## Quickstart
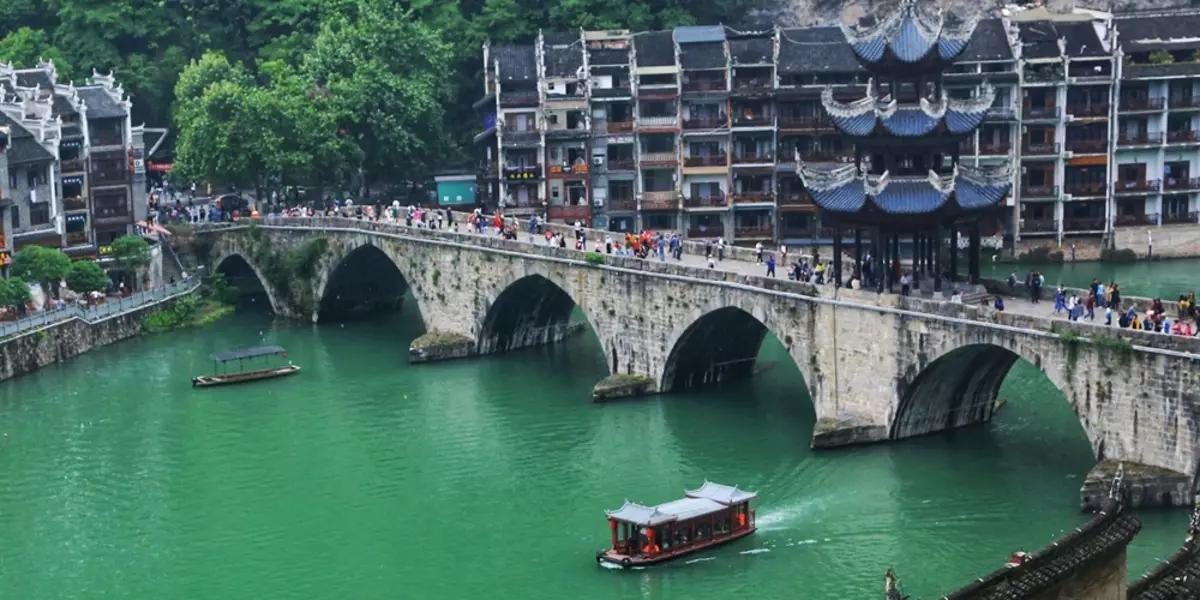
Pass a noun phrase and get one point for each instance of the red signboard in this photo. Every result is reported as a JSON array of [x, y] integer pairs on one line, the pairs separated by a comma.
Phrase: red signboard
[[158, 167]]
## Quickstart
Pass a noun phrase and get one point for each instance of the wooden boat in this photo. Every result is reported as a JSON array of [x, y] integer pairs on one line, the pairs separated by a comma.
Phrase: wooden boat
[[704, 518], [240, 375]]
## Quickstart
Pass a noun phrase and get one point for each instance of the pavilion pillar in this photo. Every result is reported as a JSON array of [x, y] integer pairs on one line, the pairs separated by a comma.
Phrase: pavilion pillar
[[916, 261], [929, 251], [876, 270], [936, 259], [858, 257], [973, 259], [895, 260], [953, 274], [837, 254]]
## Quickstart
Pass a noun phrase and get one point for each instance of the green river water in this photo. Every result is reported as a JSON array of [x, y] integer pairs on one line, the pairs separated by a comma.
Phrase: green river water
[[364, 477]]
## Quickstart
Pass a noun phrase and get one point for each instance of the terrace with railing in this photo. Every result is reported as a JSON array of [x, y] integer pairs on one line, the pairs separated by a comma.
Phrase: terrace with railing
[[1179, 218], [1039, 226], [703, 123], [706, 161], [1181, 183], [1087, 146], [705, 201], [659, 158], [753, 197], [1137, 186], [1133, 104], [1039, 149], [1085, 188], [1140, 138], [668, 200], [1039, 191], [1083, 224], [1183, 136]]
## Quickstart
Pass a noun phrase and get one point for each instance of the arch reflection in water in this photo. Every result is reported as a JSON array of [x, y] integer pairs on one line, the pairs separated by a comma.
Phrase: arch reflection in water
[[364, 282]]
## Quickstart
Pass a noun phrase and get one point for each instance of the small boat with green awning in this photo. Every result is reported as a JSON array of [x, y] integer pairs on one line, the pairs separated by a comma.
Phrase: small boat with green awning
[[249, 364]]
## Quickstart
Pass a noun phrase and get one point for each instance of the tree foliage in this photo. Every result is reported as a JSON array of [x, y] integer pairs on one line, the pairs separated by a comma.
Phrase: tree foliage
[[14, 292], [86, 276], [44, 265], [132, 252]]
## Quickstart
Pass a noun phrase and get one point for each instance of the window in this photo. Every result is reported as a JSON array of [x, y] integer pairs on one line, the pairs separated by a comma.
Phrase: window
[[39, 214], [34, 177], [16, 217], [12, 179]]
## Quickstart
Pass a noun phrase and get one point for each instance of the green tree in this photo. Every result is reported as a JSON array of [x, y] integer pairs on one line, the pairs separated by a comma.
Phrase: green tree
[[232, 136], [15, 292], [387, 73], [132, 253], [44, 265], [86, 276], [26, 47]]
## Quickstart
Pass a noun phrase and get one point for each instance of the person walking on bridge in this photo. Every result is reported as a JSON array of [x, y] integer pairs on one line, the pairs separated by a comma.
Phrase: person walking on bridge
[[771, 265]]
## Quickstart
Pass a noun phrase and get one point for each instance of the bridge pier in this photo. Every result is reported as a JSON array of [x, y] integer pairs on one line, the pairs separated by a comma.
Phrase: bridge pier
[[1147, 486], [436, 346]]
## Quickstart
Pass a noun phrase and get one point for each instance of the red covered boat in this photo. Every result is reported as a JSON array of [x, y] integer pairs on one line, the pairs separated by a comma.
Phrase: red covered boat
[[703, 518]]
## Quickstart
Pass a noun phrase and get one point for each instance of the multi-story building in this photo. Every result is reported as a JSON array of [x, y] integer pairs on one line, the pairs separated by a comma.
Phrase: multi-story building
[[699, 129], [72, 162]]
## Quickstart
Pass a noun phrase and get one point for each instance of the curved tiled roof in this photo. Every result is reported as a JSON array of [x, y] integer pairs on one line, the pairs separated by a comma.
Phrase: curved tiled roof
[[517, 63], [844, 190], [1179, 575], [867, 116], [655, 49], [815, 50], [909, 35]]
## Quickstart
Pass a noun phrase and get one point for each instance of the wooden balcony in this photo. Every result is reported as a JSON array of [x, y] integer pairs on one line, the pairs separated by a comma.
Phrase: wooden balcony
[[1134, 187], [757, 121], [1136, 104], [1085, 188], [107, 139], [75, 203], [650, 159], [658, 123], [1039, 191], [706, 161], [753, 232], [1088, 110], [1087, 146], [1039, 226], [705, 123], [620, 126], [621, 164], [623, 203], [1184, 102], [1180, 218], [77, 165], [1041, 112], [77, 238], [796, 199], [1135, 220], [1140, 138], [1181, 183], [806, 123], [1029, 149], [109, 177], [1083, 224], [751, 159], [569, 212], [660, 200], [712, 231], [708, 201], [753, 198], [706, 85], [1183, 136], [995, 149]]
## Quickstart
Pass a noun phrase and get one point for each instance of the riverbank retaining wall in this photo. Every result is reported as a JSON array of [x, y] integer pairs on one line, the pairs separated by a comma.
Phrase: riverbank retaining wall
[[33, 350], [1167, 241]]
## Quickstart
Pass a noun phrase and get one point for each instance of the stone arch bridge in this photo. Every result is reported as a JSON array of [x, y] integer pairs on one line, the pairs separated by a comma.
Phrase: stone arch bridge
[[878, 367]]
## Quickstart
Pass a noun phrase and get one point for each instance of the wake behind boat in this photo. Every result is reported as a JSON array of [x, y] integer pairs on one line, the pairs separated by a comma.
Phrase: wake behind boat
[[710, 516], [222, 360]]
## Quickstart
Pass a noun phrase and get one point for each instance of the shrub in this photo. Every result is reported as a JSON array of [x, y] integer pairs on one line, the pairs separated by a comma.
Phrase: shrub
[[595, 258], [1161, 57]]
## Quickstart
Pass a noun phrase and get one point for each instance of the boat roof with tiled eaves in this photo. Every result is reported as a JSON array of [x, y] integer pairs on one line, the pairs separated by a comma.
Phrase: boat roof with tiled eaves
[[725, 494], [873, 116], [707, 499], [910, 36], [847, 190]]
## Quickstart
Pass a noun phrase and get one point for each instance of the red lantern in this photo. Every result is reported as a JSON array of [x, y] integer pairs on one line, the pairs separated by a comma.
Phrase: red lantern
[[612, 525]]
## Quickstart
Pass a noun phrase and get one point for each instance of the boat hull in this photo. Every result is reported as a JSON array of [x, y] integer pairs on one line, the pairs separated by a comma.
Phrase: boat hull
[[624, 561], [213, 380]]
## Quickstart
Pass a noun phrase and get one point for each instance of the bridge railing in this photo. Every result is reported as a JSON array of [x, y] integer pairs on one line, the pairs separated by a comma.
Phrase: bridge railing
[[940, 308], [92, 314]]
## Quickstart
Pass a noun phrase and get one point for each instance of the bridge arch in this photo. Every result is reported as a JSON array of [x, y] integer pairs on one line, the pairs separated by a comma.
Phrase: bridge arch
[[237, 268], [362, 278], [532, 309], [960, 387], [722, 344]]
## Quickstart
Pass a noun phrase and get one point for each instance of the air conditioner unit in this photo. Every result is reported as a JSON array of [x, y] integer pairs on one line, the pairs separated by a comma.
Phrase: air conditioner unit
[[598, 160], [598, 202]]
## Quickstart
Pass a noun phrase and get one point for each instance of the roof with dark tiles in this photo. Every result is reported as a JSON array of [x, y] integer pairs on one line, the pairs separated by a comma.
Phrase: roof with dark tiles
[[815, 50], [1165, 32], [655, 49], [517, 63], [563, 54], [1039, 39], [62, 106], [35, 78], [751, 51], [702, 56], [100, 105], [988, 42]]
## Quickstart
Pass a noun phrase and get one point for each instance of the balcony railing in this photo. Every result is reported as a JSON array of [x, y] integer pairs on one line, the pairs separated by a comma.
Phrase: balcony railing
[[1137, 186], [706, 161], [753, 197], [75, 203], [1087, 146], [1142, 103], [520, 136], [660, 200], [39, 228], [77, 238], [580, 169], [1039, 226], [806, 123], [75, 165], [519, 98], [1132, 220], [103, 213], [566, 132], [108, 139], [623, 203], [816, 155], [745, 159], [108, 176], [705, 85], [710, 231], [522, 172], [1184, 102], [1000, 113], [621, 164], [1140, 138], [1085, 188], [999, 148], [759, 121], [706, 201], [659, 157], [1083, 224], [1088, 110], [1180, 217], [1039, 191], [1028, 149], [612, 92], [795, 199], [1182, 136], [705, 123], [1041, 112], [1181, 183], [569, 212], [620, 126], [658, 122], [752, 85], [753, 231], [798, 232]]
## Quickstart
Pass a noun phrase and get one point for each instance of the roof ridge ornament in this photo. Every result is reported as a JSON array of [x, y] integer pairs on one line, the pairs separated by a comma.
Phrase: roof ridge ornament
[[977, 103], [875, 188], [945, 185], [938, 110]]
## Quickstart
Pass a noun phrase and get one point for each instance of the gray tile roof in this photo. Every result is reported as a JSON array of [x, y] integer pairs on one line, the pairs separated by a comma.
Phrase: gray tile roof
[[563, 55], [702, 56], [1039, 39], [749, 51], [989, 42], [24, 150], [517, 63], [99, 104], [700, 34], [655, 49], [62, 106], [35, 78], [1146, 34], [815, 50]]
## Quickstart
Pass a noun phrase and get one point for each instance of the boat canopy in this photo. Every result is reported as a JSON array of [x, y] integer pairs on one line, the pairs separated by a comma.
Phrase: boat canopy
[[676, 510], [248, 353], [723, 494]]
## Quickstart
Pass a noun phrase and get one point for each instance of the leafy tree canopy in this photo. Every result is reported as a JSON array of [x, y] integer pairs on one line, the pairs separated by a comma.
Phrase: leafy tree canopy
[[86, 276], [45, 265], [132, 252], [14, 291], [27, 46]]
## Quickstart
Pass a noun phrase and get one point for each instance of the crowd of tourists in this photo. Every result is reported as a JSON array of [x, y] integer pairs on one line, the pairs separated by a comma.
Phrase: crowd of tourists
[[1077, 305]]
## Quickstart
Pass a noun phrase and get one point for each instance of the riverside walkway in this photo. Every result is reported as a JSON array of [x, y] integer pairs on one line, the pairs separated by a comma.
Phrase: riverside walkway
[[93, 314]]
